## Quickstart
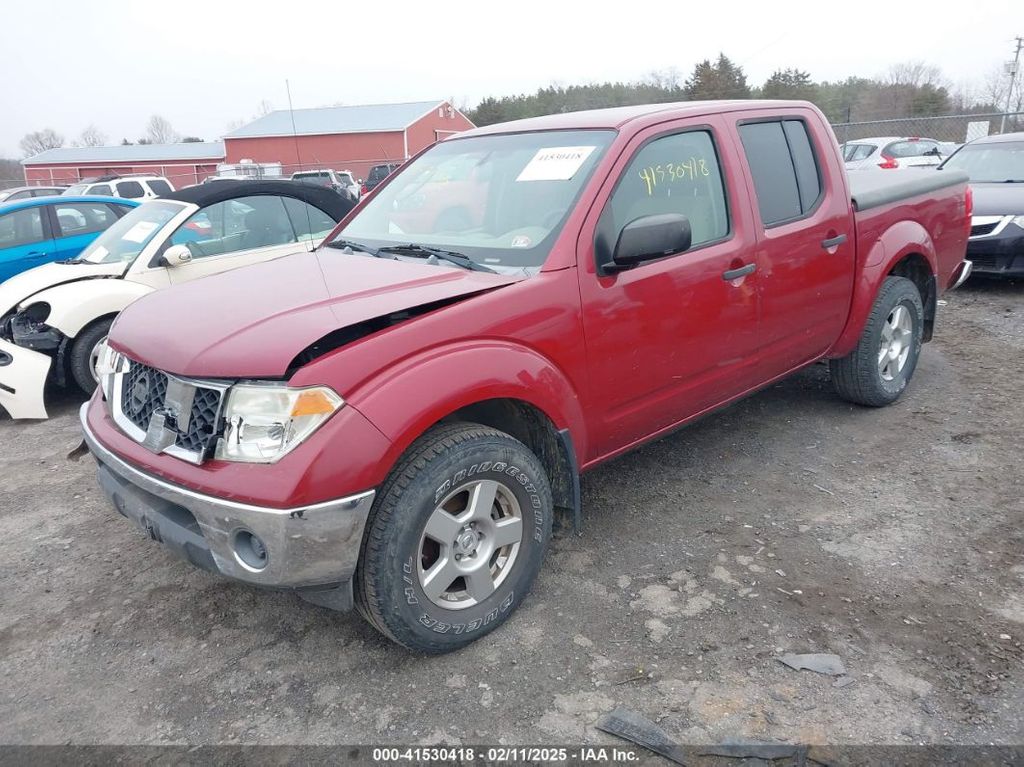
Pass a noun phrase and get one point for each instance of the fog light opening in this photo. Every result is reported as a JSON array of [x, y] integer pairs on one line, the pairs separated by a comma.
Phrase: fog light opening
[[250, 551]]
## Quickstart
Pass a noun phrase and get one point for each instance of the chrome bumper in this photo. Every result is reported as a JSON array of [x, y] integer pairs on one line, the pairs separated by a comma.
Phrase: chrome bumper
[[306, 546], [965, 272]]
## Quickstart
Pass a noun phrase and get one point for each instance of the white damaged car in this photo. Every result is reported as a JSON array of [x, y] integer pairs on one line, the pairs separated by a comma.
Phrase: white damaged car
[[54, 318]]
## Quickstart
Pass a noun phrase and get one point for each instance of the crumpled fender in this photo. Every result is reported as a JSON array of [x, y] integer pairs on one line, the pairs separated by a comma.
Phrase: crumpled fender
[[75, 304], [896, 243], [408, 397]]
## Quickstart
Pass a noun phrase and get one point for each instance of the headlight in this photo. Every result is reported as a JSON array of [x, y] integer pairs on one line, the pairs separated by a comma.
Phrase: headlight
[[266, 421], [1018, 220], [108, 363]]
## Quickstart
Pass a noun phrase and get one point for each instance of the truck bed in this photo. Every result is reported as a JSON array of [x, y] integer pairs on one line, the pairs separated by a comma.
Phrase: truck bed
[[887, 201], [871, 189]]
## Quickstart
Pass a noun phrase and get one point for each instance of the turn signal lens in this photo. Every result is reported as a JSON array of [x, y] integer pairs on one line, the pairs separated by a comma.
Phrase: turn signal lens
[[313, 402]]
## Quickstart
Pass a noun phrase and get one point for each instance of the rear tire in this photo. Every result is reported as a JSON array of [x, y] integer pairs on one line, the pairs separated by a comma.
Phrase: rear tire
[[82, 360], [877, 372], [455, 538]]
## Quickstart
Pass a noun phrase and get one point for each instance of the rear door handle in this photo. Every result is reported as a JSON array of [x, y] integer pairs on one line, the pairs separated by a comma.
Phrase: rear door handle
[[832, 242], [35, 254], [735, 274]]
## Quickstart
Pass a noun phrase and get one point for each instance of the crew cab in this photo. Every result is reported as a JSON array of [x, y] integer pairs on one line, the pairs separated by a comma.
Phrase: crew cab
[[394, 419]]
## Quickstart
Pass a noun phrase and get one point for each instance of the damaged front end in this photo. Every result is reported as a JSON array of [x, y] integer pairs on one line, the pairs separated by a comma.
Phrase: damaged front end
[[27, 348], [28, 329]]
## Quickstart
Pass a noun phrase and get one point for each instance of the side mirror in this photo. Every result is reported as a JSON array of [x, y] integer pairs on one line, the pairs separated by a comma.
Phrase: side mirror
[[176, 255], [647, 238]]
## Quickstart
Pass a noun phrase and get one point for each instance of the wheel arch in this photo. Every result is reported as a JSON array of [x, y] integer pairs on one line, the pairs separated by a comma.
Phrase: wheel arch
[[75, 305], [904, 250], [505, 386]]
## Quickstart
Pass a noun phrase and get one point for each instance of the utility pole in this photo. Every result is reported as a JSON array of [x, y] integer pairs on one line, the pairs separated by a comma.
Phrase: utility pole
[[1012, 69]]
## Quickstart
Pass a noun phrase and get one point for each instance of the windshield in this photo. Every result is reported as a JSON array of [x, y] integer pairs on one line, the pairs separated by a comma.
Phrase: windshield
[[76, 189], [127, 238], [499, 200], [993, 163]]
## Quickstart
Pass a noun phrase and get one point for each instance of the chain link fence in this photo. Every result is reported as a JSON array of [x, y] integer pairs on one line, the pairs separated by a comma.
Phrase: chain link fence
[[952, 128]]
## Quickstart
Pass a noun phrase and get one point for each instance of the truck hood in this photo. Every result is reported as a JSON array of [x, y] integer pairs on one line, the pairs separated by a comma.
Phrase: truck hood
[[998, 199], [27, 284], [253, 322]]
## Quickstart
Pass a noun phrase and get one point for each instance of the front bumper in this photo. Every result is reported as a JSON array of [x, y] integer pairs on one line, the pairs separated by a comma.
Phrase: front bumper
[[313, 549], [1002, 254], [22, 380]]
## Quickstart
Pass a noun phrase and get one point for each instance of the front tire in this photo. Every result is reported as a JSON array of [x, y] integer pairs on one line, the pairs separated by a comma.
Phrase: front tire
[[82, 360], [455, 539], [877, 372]]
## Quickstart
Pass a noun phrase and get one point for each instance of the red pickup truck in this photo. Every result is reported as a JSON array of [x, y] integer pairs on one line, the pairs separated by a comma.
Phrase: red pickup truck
[[393, 420]]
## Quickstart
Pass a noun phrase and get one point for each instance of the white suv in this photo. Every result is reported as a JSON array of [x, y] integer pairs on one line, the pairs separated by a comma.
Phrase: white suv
[[126, 187], [341, 181]]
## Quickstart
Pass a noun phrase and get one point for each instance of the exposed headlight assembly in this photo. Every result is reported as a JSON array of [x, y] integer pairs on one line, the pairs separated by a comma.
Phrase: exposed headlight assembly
[[108, 364], [266, 421]]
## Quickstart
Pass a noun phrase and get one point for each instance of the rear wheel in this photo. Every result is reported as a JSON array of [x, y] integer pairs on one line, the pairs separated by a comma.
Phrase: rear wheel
[[84, 355], [879, 369], [455, 539]]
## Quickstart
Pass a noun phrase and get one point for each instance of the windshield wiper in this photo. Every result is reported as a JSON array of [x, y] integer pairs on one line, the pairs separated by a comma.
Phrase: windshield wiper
[[425, 251], [354, 246]]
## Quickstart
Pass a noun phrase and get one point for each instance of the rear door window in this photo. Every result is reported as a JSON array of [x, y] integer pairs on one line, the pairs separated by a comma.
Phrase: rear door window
[[807, 177], [130, 190], [83, 218], [855, 152], [784, 168]]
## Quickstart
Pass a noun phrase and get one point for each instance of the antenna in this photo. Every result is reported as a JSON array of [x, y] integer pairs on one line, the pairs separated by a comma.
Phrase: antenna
[[295, 134]]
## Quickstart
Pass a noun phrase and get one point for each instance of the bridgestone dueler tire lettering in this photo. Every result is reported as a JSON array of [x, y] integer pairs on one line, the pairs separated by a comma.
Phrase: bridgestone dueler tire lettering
[[387, 588], [856, 377]]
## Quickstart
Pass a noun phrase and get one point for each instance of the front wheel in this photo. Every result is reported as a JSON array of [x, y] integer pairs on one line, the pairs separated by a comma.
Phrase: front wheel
[[879, 369], [84, 355], [455, 539]]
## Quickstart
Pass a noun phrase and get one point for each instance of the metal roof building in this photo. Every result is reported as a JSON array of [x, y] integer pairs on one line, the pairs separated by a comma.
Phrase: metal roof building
[[183, 164], [344, 138]]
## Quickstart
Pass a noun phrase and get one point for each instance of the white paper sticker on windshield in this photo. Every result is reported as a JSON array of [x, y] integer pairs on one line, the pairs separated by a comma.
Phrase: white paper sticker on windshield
[[558, 163], [140, 231]]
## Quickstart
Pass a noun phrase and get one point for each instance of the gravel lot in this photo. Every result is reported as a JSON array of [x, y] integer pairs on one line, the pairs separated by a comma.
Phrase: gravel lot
[[791, 522]]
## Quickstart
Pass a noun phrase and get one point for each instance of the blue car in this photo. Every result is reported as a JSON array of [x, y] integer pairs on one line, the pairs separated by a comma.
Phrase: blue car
[[43, 229]]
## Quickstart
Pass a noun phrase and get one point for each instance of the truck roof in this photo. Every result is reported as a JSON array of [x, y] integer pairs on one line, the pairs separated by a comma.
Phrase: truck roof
[[618, 117]]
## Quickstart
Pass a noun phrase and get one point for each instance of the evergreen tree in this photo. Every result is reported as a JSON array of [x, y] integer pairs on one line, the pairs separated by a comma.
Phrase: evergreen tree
[[719, 80], [789, 84]]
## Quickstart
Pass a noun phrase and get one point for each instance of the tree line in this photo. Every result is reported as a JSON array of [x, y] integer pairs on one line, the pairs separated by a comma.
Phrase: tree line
[[158, 131], [911, 89]]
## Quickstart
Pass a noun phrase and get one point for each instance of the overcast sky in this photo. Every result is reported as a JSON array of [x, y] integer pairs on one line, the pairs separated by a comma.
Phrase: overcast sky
[[205, 64]]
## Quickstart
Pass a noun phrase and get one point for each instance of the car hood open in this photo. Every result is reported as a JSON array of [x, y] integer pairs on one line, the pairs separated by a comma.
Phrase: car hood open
[[27, 284], [998, 199], [252, 322]]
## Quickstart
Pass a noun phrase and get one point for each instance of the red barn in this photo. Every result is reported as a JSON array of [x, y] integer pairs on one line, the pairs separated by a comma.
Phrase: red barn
[[351, 138], [183, 164]]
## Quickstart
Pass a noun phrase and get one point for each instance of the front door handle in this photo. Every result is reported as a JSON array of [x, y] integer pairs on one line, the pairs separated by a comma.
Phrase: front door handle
[[35, 254], [735, 274], [832, 242]]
